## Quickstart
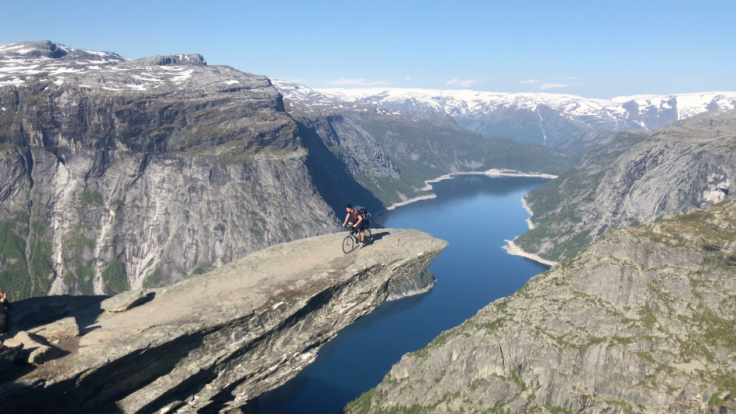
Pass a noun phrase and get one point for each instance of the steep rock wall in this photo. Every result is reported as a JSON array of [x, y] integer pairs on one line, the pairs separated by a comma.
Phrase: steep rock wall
[[119, 174], [640, 322], [630, 179]]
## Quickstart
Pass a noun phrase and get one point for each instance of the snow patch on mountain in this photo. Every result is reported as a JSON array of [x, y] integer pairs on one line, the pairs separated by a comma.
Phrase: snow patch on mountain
[[545, 118]]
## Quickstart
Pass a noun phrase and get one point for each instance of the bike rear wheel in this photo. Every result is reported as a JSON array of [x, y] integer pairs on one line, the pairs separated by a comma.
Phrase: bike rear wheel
[[368, 236], [348, 244]]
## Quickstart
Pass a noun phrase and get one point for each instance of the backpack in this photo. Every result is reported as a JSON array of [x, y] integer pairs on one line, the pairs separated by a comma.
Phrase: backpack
[[363, 212]]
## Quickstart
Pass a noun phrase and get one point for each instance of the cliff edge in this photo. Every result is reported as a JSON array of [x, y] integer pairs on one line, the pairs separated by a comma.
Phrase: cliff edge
[[213, 342]]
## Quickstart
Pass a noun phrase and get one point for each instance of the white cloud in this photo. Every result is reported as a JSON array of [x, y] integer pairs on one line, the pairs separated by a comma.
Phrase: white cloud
[[295, 80], [466, 83], [344, 81], [554, 85], [529, 81], [408, 78], [376, 83]]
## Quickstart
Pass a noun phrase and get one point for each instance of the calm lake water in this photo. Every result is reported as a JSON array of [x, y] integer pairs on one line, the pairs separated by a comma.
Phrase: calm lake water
[[475, 214]]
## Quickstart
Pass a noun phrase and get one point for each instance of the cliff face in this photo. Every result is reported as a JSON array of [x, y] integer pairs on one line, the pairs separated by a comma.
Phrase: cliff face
[[213, 342], [580, 144], [629, 179], [641, 321], [117, 174]]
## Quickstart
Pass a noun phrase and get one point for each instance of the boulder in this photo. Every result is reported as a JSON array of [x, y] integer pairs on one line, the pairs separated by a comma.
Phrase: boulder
[[24, 340], [8, 354], [30, 349], [124, 301], [42, 354], [59, 330]]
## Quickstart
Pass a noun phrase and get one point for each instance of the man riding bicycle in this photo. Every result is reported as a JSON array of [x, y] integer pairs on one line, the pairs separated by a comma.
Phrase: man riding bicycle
[[356, 221]]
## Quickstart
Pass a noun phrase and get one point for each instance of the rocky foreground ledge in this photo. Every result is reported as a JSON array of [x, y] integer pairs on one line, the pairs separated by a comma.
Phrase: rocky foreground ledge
[[643, 321], [211, 343]]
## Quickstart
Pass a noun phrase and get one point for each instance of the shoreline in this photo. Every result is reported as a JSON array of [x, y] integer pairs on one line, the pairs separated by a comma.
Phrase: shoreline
[[512, 249], [490, 173]]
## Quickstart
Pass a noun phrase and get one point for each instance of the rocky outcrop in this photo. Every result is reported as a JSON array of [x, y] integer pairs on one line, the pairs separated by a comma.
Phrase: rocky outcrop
[[125, 301], [213, 342], [641, 321], [630, 179], [58, 330]]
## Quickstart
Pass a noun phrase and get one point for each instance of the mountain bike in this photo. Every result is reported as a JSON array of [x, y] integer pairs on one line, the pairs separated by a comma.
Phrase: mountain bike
[[353, 238]]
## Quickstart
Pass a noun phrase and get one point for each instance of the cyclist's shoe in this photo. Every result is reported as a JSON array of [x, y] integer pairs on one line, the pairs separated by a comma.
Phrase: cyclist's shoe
[[360, 245]]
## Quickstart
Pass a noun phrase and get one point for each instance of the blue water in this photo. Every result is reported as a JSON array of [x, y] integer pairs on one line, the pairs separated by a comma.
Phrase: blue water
[[475, 214]]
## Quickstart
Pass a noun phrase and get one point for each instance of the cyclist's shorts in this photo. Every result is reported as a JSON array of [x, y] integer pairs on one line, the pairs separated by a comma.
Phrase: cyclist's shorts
[[362, 225]]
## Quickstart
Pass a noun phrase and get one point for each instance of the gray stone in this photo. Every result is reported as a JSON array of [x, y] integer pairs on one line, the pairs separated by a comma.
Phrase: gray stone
[[59, 330], [42, 354], [124, 301], [8, 354], [22, 339], [31, 349]]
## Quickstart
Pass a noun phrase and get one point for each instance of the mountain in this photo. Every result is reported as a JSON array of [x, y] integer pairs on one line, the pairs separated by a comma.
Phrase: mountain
[[631, 178], [538, 118], [640, 322], [399, 150], [582, 143], [118, 174]]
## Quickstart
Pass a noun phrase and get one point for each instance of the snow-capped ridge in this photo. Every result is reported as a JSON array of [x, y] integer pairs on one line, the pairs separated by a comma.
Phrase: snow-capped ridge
[[538, 116]]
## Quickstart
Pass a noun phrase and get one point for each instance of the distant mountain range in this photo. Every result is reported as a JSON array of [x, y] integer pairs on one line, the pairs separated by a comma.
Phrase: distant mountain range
[[537, 118]]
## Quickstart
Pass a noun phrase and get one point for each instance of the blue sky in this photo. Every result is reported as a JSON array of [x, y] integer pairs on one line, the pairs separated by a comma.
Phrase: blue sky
[[597, 49]]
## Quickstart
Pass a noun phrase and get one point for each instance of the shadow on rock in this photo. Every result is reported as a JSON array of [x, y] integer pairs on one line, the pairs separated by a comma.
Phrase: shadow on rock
[[30, 313], [333, 181]]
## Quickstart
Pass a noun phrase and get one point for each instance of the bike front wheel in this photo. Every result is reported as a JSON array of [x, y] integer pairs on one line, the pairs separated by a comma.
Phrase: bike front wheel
[[348, 244]]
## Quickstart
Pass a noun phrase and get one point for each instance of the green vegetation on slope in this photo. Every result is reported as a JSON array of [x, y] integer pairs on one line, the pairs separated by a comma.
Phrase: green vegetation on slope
[[115, 277], [14, 277], [41, 264], [152, 279], [559, 232]]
